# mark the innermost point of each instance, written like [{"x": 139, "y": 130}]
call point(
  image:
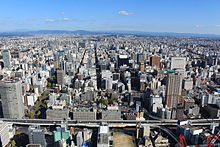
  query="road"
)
[
  {"x": 81, "y": 62},
  {"x": 111, "y": 123}
]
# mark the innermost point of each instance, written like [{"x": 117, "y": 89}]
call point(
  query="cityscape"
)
[{"x": 62, "y": 87}]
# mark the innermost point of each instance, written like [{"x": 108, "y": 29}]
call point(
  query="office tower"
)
[
  {"x": 89, "y": 63},
  {"x": 178, "y": 63},
  {"x": 36, "y": 136},
  {"x": 11, "y": 96},
  {"x": 60, "y": 77},
  {"x": 61, "y": 133},
  {"x": 141, "y": 67},
  {"x": 188, "y": 84},
  {"x": 107, "y": 79},
  {"x": 134, "y": 56},
  {"x": 103, "y": 136},
  {"x": 116, "y": 76},
  {"x": 140, "y": 58},
  {"x": 6, "y": 133},
  {"x": 135, "y": 80},
  {"x": 107, "y": 84},
  {"x": 79, "y": 139},
  {"x": 173, "y": 89},
  {"x": 123, "y": 60},
  {"x": 155, "y": 61},
  {"x": 6, "y": 58}
]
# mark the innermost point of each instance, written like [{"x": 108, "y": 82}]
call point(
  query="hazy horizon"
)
[{"x": 188, "y": 16}]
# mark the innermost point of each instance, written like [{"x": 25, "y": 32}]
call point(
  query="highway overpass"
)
[{"x": 111, "y": 123}]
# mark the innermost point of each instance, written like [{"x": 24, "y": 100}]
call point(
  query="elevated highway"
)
[{"x": 111, "y": 123}]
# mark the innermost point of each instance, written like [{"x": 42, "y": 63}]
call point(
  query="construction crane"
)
[
  {"x": 210, "y": 143},
  {"x": 182, "y": 141},
  {"x": 215, "y": 138}
]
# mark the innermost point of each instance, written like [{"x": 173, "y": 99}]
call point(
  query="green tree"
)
[
  {"x": 38, "y": 113},
  {"x": 13, "y": 143},
  {"x": 49, "y": 84},
  {"x": 44, "y": 105},
  {"x": 46, "y": 93},
  {"x": 31, "y": 114},
  {"x": 104, "y": 101}
]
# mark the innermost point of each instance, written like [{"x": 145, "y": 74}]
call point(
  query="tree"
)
[
  {"x": 38, "y": 113},
  {"x": 46, "y": 93},
  {"x": 44, "y": 105},
  {"x": 13, "y": 143},
  {"x": 49, "y": 84},
  {"x": 104, "y": 101},
  {"x": 31, "y": 114}
]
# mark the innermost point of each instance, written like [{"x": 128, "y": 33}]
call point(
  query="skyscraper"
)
[
  {"x": 173, "y": 89},
  {"x": 155, "y": 61},
  {"x": 123, "y": 60},
  {"x": 36, "y": 135},
  {"x": 11, "y": 96},
  {"x": 60, "y": 77},
  {"x": 6, "y": 58},
  {"x": 178, "y": 63},
  {"x": 140, "y": 58}
]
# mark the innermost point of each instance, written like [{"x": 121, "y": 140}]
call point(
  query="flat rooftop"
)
[{"x": 122, "y": 140}]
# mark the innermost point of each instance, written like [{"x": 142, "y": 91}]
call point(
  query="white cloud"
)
[
  {"x": 49, "y": 20},
  {"x": 200, "y": 26},
  {"x": 66, "y": 19},
  {"x": 62, "y": 13},
  {"x": 125, "y": 13},
  {"x": 218, "y": 25}
]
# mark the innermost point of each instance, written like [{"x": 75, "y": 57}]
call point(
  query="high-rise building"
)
[
  {"x": 173, "y": 89},
  {"x": 79, "y": 139},
  {"x": 60, "y": 77},
  {"x": 123, "y": 60},
  {"x": 140, "y": 58},
  {"x": 11, "y": 96},
  {"x": 188, "y": 84},
  {"x": 6, "y": 133},
  {"x": 6, "y": 58},
  {"x": 61, "y": 133},
  {"x": 155, "y": 61},
  {"x": 103, "y": 136},
  {"x": 141, "y": 67},
  {"x": 36, "y": 135},
  {"x": 178, "y": 63}
]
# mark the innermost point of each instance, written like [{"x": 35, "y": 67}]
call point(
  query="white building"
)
[
  {"x": 6, "y": 133},
  {"x": 6, "y": 58},
  {"x": 178, "y": 63}
]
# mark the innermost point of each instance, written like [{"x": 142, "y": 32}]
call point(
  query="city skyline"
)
[
  {"x": 107, "y": 73},
  {"x": 110, "y": 15}
]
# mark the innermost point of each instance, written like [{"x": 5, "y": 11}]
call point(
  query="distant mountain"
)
[
  {"x": 160, "y": 33},
  {"x": 84, "y": 32},
  {"x": 60, "y": 32}
]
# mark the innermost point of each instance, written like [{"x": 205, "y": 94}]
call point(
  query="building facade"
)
[
  {"x": 11, "y": 96},
  {"x": 6, "y": 58},
  {"x": 173, "y": 89},
  {"x": 155, "y": 61},
  {"x": 178, "y": 63},
  {"x": 36, "y": 136}
]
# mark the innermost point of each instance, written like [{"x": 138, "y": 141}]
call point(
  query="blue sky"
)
[{"x": 184, "y": 16}]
